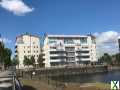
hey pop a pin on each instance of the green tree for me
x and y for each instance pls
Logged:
(26, 61)
(15, 61)
(40, 60)
(32, 61)
(1, 54)
(7, 57)
(106, 58)
(117, 57)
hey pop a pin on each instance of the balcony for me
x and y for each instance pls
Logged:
(58, 55)
(57, 60)
(82, 54)
(85, 49)
(83, 59)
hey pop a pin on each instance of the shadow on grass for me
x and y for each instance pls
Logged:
(28, 88)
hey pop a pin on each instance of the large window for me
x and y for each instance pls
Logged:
(69, 49)
(68, 41)
(83, 40)
(52, 41)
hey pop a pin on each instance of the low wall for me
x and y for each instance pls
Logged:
(62, 71)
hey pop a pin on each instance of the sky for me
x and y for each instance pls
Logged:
(99, 17)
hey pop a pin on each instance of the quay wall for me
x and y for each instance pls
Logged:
(48, 72)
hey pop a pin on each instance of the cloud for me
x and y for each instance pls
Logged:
(107, 37)
(107, 42)
(6, 40)
(17, 7)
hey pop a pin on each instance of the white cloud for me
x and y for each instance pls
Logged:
(107, 37)
(107, 42)
(6, 40)
(18, 7)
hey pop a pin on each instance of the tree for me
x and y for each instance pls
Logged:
(26, 61)
(117, 57)
(15, 61)
(7, 57)
(32, 61)
(1, 54)
(40, 60)
(106, 58)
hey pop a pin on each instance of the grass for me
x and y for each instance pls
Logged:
(102, 85)
(43, 85)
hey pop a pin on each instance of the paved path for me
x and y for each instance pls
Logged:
(5, 74)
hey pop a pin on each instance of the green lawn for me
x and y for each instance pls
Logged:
(42, 85)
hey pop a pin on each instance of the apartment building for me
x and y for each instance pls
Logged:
(69, 49)
(27, 45)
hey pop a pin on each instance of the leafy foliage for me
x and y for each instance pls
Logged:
(15, 61)
(110, 59)
(40, 60)
(32, 60)
(26, 61)
(5, 56)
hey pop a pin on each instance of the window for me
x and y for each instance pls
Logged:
(85, 56)
(84, 51)
(28, 51)
(52, 41)
(37, 55)
(83, 40)
(93, 41)
(68, 41)
(53, 47)
(69, 48)
(33, 42)
(85, 47)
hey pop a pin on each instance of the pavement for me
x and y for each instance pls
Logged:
(6, 80)
(5, 74)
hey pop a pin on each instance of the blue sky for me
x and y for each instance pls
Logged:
(58, 17)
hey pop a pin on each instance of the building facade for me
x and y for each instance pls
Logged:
(68, 49)
(27, 45)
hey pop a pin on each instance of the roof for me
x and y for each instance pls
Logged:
(67, 36)
(28, 35)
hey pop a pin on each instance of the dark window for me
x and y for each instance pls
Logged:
(85, 56)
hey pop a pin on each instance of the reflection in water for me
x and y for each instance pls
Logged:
(90, 78)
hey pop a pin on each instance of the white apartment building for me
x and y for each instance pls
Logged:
(68, 49)
(27, 45)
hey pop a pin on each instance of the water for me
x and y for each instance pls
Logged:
(90, 78)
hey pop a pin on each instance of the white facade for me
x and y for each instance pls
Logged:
(27, 45)
(68, 49)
